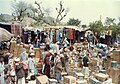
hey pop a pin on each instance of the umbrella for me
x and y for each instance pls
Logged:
(5, 35)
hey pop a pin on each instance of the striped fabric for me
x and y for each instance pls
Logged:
(16, 29)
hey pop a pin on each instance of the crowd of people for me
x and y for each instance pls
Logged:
(57, 58)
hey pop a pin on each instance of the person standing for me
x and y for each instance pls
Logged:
(66, 58)
(19, 72)
(24, 56)
(43, 57)
(99, 62)
(47, 64)
(85, 65)
(2, 81)
(31, 64)
(58, 67)
(11, 70)
(24, 60)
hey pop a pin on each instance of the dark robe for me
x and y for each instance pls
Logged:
(47, 66)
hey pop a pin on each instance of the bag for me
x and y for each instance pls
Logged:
(32, 77)
(25, 65)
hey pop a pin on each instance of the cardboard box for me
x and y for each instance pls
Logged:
(95, 81)
(42, 79)
(37, 52)
(114, 74)
(27, 47)
(116, 52)
(101, 77)
(79, 76)
(80, 64)
(12, 46)
(103, 71)
(81, 82)
(69, 80)
(52, 81)
(113, 64)
(116, 55)
(32, 82)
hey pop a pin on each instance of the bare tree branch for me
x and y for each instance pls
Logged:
(60, 12)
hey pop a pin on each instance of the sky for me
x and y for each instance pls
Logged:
(84, 10)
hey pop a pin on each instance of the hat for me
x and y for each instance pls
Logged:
(99, 54)
(17, 59)
(91, 46)
(61, 55)
(11, 55)
(18, 36)
(58, 42)
(66, 50)
(7, 53)
(32, 54)
(51, 51)
(94, 54)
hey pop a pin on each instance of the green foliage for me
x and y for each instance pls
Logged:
(111, 25)
(97, 26)
(84, 26)
(115, 29)
(109, 21)
(74, 22)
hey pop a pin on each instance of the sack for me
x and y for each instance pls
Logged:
(25, 65)
(32, 77)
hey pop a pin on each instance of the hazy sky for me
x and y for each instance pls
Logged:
(85, 10)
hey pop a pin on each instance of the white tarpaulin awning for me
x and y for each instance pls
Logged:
(5, 35)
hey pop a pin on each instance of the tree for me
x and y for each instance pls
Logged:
(62, 12)
(38, 14)
(84, 26)
(42, 15)
(97, 26)
(111, 25)
(109, 21)
(20, 10)
(74, 22)
(119, 21)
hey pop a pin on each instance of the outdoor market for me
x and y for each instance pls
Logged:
(57, 54)
(59, 42)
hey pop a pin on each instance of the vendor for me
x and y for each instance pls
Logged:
(85, 65)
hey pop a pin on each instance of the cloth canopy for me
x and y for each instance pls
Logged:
(5, 35)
